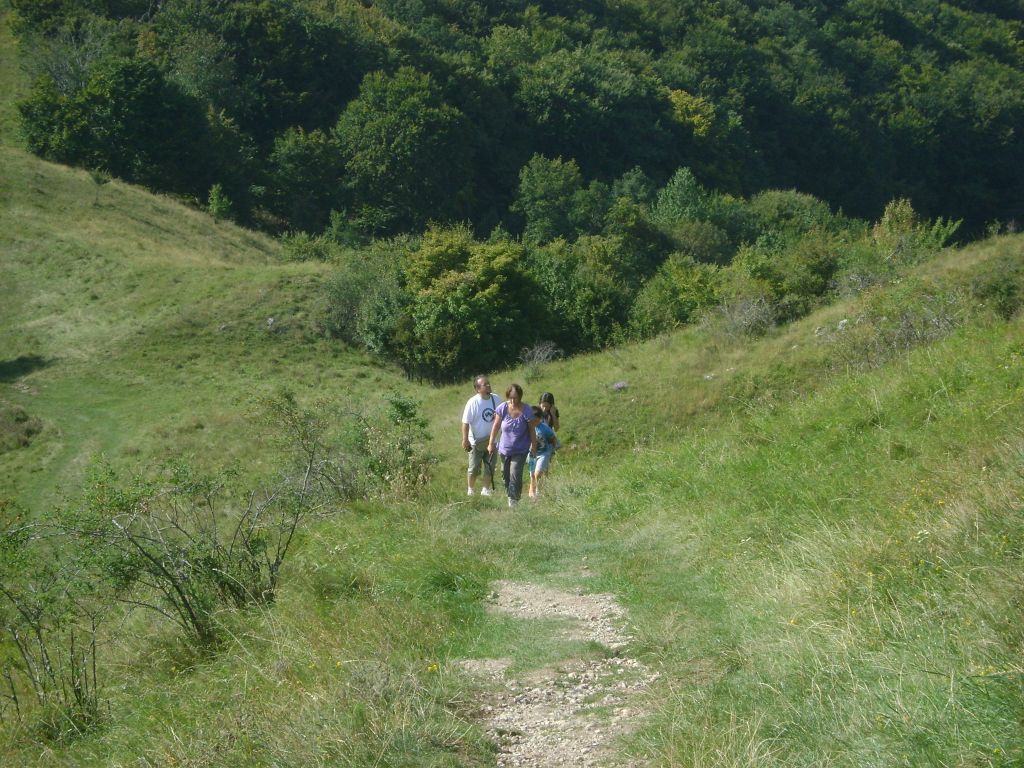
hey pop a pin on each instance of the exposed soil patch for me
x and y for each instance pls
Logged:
(570, 714)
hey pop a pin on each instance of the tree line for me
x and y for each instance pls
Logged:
(391, 115)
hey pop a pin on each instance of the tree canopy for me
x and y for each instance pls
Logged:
(433, 108)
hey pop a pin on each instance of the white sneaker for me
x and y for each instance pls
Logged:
(486, 492)
(512, 502)
(469, 491)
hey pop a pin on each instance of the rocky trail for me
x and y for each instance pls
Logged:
(572, 713)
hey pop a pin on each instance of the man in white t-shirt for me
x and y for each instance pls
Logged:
(477, 417)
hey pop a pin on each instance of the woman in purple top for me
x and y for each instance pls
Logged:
(514, 419)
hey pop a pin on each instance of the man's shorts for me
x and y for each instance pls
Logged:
(478, 456)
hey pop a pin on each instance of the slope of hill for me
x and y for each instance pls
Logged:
(125, 317)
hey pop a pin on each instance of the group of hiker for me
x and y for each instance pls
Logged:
(524, 436)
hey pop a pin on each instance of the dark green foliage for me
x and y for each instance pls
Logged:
(702, 241)
(588, 289)
(546, 192)
(605, 136)
(406, 151)
(365, 301)
(793, 274)
(854, 103)
(603, 107)
(287, 65)
(127, 120)
(306, 175)
(645, 243)
(50, 16)
(790, 212)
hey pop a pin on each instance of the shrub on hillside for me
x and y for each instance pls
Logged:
(676, 295)
(534, 358)
(218, 203)
(894, 320)
(791, 212)
(302, 246)
(394, 444)
(702, 241)
(364, 301)
(898, 240)
(17, 427)
(188, 545)
(999, 284)
(792, 273)
(904, 238)
(471, 305)
(742, 316)
(49, 622)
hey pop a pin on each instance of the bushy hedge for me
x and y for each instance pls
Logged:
(640, 264)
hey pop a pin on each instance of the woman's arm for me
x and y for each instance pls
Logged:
(492, 441)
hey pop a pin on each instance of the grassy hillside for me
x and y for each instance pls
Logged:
(132, 325)
(818, 534)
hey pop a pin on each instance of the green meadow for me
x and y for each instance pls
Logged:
(818, 534)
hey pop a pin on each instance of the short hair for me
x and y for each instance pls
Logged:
(476, 380)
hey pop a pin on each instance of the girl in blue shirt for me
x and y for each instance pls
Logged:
(539, 463)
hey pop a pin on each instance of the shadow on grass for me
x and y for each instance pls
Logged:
(21, 366)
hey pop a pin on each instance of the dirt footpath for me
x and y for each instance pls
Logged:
(570, 714)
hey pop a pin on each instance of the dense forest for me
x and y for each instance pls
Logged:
(569, 173)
